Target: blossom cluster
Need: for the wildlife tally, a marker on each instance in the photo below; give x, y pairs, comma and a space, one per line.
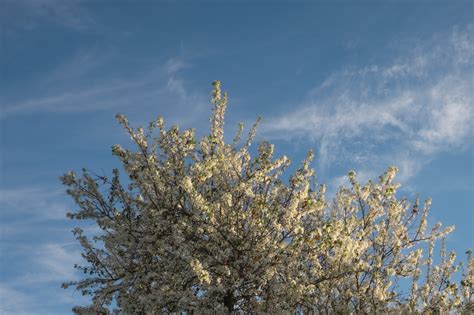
204, 226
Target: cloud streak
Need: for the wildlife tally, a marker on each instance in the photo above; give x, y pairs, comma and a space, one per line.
403, 112
37, 256
28, 15
32, 203
80, 85
44, 267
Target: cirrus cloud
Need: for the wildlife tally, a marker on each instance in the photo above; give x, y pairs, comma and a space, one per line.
403, 112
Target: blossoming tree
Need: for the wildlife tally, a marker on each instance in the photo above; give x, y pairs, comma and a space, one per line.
204, 226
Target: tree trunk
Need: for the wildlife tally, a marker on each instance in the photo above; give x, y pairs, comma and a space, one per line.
229, 301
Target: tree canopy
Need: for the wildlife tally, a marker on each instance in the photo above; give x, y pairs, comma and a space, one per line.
201, 226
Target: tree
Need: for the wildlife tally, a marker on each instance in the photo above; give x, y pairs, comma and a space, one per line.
206, 227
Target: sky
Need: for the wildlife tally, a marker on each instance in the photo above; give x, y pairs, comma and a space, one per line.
365, 85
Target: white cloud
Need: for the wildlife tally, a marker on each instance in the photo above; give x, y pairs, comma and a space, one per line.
30, 210
37, 289
24, 14
33, 203
13, 301
450, 120
53, 263
38, 253
173, 65
82, 85
403, 112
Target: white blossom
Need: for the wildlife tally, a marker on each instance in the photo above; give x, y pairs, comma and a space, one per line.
204, 226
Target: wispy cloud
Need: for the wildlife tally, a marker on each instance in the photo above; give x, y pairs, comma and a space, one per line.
33, 203
37, 252
54, 263
29, 211
173, 65
24, 14
403, 112
89, 82
13, 301
43, 268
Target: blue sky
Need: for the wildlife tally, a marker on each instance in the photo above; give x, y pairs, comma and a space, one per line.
365, 85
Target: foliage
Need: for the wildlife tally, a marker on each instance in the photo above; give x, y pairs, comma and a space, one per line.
204, 226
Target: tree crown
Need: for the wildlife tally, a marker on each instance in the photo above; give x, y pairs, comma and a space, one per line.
200, 226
